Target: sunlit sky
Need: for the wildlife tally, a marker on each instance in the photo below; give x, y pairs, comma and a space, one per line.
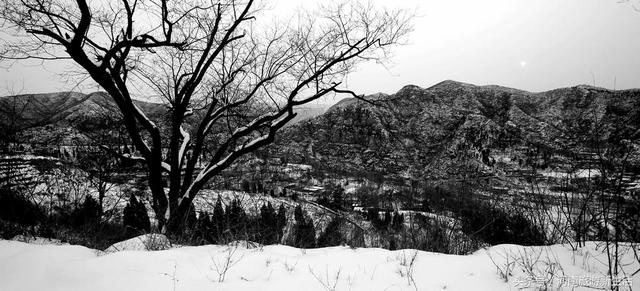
532, 45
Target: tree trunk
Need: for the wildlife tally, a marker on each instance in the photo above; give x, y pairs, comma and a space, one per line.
159, 200
178, 217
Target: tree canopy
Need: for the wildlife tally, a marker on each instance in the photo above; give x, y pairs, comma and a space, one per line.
229, 78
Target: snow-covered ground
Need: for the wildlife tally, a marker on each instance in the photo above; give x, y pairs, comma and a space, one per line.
41, 266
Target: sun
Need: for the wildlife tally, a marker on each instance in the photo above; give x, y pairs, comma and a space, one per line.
523, 63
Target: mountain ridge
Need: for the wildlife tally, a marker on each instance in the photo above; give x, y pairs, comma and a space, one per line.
415, 133
437, 131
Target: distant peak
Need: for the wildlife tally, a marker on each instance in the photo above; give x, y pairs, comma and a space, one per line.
408, 89
451, 84
591, 88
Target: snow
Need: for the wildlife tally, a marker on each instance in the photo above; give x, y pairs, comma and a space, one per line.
579, 173
145, 242
239, 267
37, 240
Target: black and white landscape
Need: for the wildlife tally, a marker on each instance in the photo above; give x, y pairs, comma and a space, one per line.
238, 145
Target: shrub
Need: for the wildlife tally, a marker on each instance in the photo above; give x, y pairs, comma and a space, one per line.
337, 197
498, 226
16, 208
489, 223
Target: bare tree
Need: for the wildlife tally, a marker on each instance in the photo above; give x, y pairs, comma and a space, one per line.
229, 81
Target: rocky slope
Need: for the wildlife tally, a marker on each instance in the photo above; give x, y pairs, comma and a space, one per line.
59, 117
62, 111
453, 129
31, 110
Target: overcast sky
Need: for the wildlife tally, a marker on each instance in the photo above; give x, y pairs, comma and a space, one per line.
531, 45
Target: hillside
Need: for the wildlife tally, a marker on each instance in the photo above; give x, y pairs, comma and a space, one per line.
445, 132
32, 110
64, 118
451, 129
56, 116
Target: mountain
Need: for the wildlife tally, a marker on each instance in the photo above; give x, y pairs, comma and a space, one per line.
452, 129
307, 112
21, 112
63, 118
32, 110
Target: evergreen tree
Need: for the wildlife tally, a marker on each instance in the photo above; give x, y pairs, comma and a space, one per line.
237, 219
387, 219
218, 220
398, 221
305, 231
246, 186
332, 235
324, 201
135, 217
88, 214
281, 221
298, 215
426, 205
337, 196
373, 216
269, 227
203, 228
392, 244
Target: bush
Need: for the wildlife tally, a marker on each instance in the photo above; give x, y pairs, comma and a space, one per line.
499, 226
337, 197
489, 223
17, 209
435, 237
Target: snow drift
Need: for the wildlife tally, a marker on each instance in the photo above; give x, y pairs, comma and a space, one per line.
28, 266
